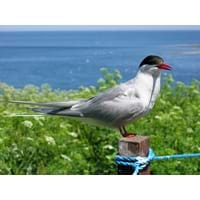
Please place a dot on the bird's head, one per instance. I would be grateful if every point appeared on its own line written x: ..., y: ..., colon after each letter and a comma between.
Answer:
x: 153, y: 64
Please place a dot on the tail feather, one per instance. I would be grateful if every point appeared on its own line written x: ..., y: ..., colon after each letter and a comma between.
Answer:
x: 43, y: 110
x: 53, y: 108
x: 61, y: 104
x: 58, y: 111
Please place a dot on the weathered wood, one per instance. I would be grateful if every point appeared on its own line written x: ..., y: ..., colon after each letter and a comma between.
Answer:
x: 133, y: 146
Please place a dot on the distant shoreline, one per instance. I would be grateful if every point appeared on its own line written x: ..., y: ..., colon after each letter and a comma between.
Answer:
x: 99, y: 28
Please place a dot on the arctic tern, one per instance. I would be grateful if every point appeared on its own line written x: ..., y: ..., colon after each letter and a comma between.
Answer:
x: 118, y: 106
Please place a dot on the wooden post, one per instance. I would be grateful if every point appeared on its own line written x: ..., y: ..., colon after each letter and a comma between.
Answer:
x: 133, y: 146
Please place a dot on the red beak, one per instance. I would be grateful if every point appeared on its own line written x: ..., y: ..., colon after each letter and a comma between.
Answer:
x: 164, y: 66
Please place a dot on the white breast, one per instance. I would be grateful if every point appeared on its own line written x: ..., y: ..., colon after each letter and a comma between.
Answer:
x: 148, y: 89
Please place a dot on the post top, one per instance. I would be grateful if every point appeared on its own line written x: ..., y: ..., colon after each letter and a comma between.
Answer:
x: 134, y: 139
x: 134, y: 146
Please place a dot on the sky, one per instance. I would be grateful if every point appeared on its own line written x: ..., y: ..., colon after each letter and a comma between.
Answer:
x: 95, y: 27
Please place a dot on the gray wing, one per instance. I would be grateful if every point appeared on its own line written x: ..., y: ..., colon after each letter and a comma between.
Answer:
x: 108, y: 95
x: 80, y: 108
x: 115, y: 112
x: 122, y: 90
x: 116, y: 106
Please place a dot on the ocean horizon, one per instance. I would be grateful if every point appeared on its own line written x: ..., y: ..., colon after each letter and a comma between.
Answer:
x: 70, y: 59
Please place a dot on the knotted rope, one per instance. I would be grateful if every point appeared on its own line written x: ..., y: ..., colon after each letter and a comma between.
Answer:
x: 138, y: 163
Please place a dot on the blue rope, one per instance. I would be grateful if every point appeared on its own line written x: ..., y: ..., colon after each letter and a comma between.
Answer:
x: 138, y: 163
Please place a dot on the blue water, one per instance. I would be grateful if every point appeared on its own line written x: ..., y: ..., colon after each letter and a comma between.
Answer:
x: 70, y: 59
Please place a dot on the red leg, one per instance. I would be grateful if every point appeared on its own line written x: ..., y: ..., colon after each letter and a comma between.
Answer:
x: 121, y: 131
x: 124, y: 133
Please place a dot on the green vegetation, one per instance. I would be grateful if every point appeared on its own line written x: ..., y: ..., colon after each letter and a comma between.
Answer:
x: 57, y: 145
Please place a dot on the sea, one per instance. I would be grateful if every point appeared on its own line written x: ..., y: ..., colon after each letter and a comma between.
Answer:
x: 71, y: 59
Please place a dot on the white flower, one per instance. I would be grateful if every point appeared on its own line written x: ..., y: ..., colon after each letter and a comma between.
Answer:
x: 110, y: 147
x: 73, y: 134
x: 50, y: 140
x: 66, y: 157
x: 157, y: 117
x: 29, y: 138
x: 189, y: 130
x: 28, y: 124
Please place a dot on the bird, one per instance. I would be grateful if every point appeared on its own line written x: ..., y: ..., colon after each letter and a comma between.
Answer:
x: 117, y: 106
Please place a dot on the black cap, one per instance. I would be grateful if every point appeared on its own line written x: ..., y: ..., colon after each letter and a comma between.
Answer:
x: 151, y: 60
